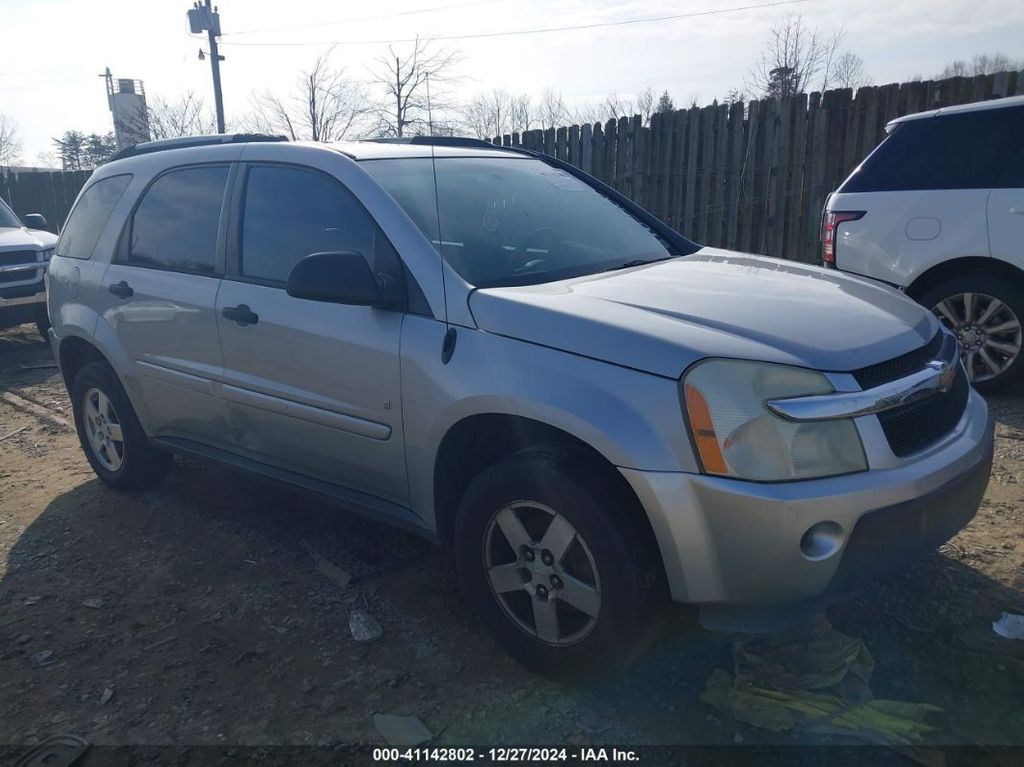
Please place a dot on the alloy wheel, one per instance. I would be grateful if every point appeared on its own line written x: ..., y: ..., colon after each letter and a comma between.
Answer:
x: 103, y: 429
x: 988, y: 329
x: 542, y: 573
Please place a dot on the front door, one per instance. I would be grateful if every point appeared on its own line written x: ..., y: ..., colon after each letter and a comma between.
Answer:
x: 160, y: 295
x: 310, y: 387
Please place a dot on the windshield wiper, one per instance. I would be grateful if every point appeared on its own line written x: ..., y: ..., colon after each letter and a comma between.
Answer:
x: 637, y: 262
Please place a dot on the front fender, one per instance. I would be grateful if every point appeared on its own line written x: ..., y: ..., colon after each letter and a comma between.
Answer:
x: 631, y: 418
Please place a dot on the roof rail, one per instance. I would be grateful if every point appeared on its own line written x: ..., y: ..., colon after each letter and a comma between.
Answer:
x: 439, y: 141
x: 148, y: 147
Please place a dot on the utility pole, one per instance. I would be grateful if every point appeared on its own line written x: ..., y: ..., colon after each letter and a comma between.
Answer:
x: 203, y: 17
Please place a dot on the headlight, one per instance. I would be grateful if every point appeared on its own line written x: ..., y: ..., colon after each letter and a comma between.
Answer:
x: 737, y: 436
x: 48, y: 253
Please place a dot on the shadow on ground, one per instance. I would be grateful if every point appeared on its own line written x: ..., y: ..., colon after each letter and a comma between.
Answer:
x: 194, y: 614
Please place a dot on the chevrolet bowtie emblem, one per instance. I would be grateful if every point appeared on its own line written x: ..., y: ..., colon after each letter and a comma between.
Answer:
x: 947, y: 372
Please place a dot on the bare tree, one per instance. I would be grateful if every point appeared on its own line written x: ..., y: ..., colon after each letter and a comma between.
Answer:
x: 646, y: 104
x: 847, y: 71
x: 187, y: 115
x: 414, y: 83
x: 588, y: 112
x: 794, y: 57
x: 10, y: 141
x: 552, y: 110
x: 493, y: 114
x: 617, y: 106
x: 982, y: 64
x: 611, y: 107
x: 520, y: 114
x: 325, y: 106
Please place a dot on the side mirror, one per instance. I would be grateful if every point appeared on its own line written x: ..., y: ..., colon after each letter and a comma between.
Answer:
x: 341, y: 278
x: 34, y: 221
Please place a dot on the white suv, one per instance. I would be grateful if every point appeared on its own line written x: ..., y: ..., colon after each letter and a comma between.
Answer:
x: 938, y: 210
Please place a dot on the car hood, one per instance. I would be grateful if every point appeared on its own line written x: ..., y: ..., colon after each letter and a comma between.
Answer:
x: 18, y: 238
x: 662, y: 317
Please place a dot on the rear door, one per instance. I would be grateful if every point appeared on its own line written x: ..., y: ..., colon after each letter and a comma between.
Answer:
x: 161, y: 293
x: 311, y: 387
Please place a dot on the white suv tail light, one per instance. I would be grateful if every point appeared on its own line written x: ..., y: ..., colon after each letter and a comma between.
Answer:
x: 830, y: 229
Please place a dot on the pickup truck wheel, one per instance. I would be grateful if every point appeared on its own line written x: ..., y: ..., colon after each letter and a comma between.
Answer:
x: 43, y: 326
x: 110, y: 433
x: 986, y: 313
x: 557, y: 565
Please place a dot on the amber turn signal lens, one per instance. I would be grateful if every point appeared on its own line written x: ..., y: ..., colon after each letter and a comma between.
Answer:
x: 704, y: 432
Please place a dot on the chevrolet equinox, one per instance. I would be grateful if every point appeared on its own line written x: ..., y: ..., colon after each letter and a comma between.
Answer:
x: 504, y: 354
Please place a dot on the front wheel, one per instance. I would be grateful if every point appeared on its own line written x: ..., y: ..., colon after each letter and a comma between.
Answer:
x: 556, y: 559
x: 985, y: 312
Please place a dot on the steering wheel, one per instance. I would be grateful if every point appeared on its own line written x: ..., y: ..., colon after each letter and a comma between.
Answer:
x: 537, y: 237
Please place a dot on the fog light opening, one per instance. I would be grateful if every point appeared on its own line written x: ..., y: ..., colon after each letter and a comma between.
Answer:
x: 821, y: 541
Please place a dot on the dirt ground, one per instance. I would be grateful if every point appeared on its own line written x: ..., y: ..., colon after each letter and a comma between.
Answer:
x: 195, y: 614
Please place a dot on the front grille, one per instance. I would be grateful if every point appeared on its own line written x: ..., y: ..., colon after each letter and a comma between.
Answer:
x: 913, y: 427
x: 898, y: 367
x: 11, y: 257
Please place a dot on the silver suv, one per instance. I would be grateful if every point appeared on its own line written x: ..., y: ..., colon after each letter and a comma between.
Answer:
x: 498, y: 351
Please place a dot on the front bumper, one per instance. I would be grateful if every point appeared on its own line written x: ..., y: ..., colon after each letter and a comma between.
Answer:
x: 18, y: 305
x: 727, y: 542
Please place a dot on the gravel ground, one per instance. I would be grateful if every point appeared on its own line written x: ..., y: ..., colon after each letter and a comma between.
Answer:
x: 195, y: 614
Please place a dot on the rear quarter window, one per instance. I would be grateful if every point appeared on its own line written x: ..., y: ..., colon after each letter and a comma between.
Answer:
x: 972, y: 150
x: 90, y: 215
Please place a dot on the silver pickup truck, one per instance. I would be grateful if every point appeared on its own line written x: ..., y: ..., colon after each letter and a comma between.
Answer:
x: 498, y: 351
x: 25, y: 251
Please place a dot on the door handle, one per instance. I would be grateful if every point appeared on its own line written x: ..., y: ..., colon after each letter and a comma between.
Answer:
x: 1017, y: 211
x: 241, y: 314
x: 121, y: 289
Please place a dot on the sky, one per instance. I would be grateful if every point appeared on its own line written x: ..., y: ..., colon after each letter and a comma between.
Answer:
x: 55, y: 50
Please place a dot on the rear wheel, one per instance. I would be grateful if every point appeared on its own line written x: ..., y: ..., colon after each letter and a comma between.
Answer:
x: 986, y: 314
x: 110, y: 433
x: 556, y: 561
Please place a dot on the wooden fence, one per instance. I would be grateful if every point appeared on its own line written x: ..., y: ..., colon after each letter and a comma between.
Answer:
x: 751, y: 177
x: 42, y: 191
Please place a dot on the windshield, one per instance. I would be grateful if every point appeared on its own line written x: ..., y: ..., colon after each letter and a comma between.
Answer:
x: 516, y: 221
x: 7, y: 217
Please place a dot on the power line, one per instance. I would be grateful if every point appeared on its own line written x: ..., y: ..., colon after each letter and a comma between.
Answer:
x: 542, y: 30
x: 355, y: 19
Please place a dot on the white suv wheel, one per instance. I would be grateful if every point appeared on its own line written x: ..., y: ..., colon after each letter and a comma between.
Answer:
x: 988, y: 329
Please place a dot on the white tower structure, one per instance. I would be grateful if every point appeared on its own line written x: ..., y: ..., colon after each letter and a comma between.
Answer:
x: 127, y: 101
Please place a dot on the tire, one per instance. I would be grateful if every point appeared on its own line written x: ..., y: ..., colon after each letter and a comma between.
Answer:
x: 612, y: 551
x: 128, y: 463
x: 43, y: 325
x: 947, y: 301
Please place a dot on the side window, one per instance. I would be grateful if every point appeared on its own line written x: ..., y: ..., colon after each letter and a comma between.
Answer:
x: 1011, y: 175
x: 175, y: 225
x: 969, y: 150
x: 82, y: 230
x: 290, y: 213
